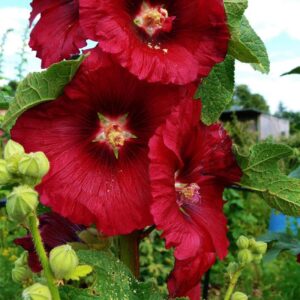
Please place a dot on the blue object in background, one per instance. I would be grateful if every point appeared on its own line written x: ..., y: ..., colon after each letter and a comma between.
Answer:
x: 282, y: 223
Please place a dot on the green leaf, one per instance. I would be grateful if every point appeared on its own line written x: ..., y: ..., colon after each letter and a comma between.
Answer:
x: 263, y: 176
x: 40, y: 87
x: 112, y: 281
x: 5, y: 101
x: 294, y: 71
x: 79, y: 272
x: 246, y: 46
x: 216, y: 91
x: 235, y: 10
x: 280, y: 242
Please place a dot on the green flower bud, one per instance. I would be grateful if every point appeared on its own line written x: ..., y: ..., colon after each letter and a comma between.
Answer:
x: 232, y: 268
x: 22, y: 260
x: 242, y: 242
x: 252, y: 243
x: 4, y: 174
x: 21, y: 274
x: 37, y: 292
x: 260, y: 247
x: 239, y: 296
x: 63, y: 261
x: 34, y: 165
x: 257, y: 258
x: 12, y: 148
x: 22, y: 201
x: 13, y: 163
x: 245, y: 257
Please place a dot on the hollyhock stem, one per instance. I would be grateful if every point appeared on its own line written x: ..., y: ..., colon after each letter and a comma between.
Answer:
x: 41, y: 252
x: 233, y: 283
x: 129, y: 252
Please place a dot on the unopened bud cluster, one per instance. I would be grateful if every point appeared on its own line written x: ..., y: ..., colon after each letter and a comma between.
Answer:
x: 21, y: 272
x: 250, y: 250
x: 18, y: 166
x: 24, y: 170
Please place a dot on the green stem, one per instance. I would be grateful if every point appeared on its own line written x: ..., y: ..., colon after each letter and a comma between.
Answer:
x: 129, y: 252
x: 232, y: 284
x: 41, y: 252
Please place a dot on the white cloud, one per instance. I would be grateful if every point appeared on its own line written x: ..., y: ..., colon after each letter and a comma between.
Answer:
x: 273, y: 17
x: 15, y: 18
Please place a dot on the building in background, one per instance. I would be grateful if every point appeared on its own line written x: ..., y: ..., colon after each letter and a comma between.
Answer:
x: 264, y: 124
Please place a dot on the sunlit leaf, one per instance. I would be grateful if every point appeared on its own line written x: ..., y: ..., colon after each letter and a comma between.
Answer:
x: 40, y: 87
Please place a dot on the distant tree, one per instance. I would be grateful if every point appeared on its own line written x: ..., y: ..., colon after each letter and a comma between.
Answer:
x: 292, y: 116
x: 245, y: 99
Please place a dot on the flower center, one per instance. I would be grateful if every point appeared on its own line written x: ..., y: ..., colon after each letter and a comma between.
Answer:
x: 187, y: 193
x: 153, y: 19
x: 113, y: 132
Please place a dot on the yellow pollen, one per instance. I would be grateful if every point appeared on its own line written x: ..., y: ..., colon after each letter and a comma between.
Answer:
x: 188, y: 192
x: 116, y: 138
x: 153, y: 18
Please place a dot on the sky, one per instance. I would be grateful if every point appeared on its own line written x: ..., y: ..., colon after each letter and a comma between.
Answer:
x: 277, y: 22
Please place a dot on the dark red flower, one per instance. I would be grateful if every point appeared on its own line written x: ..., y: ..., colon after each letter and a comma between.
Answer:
x: 57, y: 34
x: 55, y: 230
x: 190, y: 165
x: 164, y: 41
x: 96, y: 138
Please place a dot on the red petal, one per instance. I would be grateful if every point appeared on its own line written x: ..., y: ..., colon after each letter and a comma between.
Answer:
x: 199, y: 39
x: 57, y: 35
x: 86, y: 183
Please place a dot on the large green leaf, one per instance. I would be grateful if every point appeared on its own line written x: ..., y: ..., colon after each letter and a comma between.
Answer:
x: 41, y: 87
x: 235, y: 10
x: 247, y: 47
x: 112, y: 281
x: 216, y: 90
x: 263, y: 176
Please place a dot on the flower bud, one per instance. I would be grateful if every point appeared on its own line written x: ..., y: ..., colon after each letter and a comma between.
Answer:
x: 252, y: 243
x: 4, y: 174
x: 34, y: 165
x: 12, y: 148
x: 242, y: 242
x: 37, y: 292
x: 245, y: 256
x: 13, y: 163
x: 257, y: 258
x: 232, y: 268
x: 239, y: 296
x: 22, y: 260
x: 21, y: 273
x: 63, y: 261
x: 22, y: 201
x: 260, y: 248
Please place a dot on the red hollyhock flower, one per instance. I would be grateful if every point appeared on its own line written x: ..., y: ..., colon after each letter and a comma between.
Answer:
x: 55, y: 231
x: 159, y: 40
x: 57, y: 34
x: 96, y: 138
x: 190, y: 165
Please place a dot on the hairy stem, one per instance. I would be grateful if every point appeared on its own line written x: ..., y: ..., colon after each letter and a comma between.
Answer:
x: 40, y: 250
x: 129, y: 252
x: 233, y: 281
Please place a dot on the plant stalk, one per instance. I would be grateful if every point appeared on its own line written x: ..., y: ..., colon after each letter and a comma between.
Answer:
x: 41, y: 252
x: 129, y: 252
x: 232, y: 284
